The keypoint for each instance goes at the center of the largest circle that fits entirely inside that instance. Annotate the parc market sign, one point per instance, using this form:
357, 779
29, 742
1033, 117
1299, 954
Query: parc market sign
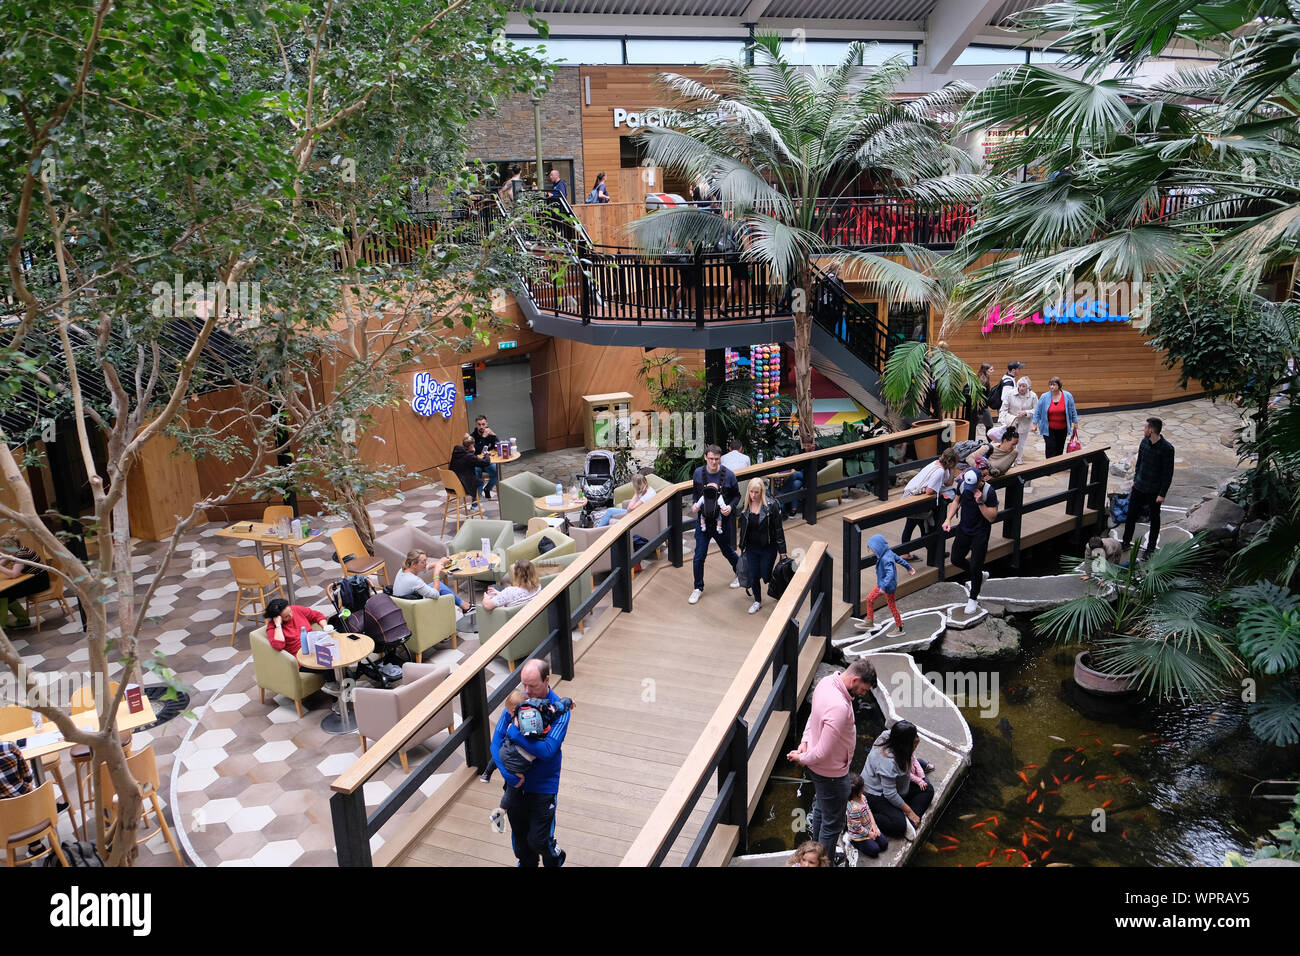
662, 118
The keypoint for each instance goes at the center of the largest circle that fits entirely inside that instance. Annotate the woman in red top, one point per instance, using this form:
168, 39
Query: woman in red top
285, 623
1055, 417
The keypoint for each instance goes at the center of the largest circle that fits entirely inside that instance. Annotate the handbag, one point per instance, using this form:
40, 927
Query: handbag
1073, 443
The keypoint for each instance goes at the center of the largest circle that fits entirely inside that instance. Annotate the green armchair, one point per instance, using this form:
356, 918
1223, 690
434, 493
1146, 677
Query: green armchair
528, 640
833, 470
277, 671
431, 620
500, 534
528, 548
516, 494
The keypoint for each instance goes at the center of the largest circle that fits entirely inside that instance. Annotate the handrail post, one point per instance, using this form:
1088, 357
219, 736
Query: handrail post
621, 560
851, 587
560, 616
810, 491
882, 472
675, 530
348, 811
934, 541
735, 760
699, 290
1015, 502
1078, 494
1097, 491
474, 707
584, 277
826, 585
788, 657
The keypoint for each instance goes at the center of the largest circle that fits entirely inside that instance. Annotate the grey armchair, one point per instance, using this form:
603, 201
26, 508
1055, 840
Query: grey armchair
379, 711
431, 620
393, 545
500, 535
648, 528
624, 492
277, 671
517, 492
529, 548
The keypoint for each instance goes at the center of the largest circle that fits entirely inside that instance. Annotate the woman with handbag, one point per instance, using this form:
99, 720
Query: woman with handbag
761, 538
1055, 417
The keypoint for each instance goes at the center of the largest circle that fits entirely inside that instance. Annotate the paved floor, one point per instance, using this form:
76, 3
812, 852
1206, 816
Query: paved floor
250, 786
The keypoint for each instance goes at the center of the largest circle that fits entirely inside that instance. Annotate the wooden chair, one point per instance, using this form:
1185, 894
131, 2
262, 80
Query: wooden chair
14, 718
353, 557
144, 770
255, 581
465, 505
51, 595
30, 817
271, 515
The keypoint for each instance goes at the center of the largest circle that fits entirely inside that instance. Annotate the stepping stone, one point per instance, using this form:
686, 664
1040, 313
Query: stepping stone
991, 640
1031, 595
921, 631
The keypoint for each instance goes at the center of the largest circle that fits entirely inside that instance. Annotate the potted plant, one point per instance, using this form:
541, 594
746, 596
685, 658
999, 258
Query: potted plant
929, 379
1150, 626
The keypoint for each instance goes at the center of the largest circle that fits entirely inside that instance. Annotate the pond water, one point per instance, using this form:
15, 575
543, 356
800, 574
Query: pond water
1067, 777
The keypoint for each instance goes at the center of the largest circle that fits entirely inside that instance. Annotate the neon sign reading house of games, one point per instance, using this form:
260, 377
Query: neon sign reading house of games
430, 397
1085, 310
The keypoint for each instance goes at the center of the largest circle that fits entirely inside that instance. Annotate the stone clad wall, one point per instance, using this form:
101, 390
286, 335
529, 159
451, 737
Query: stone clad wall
509, 133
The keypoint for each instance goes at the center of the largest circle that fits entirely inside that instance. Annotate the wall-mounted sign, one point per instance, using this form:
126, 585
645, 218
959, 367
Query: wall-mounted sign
430, 397
662, 118
1084, 310
502, 346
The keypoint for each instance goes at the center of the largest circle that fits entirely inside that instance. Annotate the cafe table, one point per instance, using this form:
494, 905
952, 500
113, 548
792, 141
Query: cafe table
352, 649
260, 534
547, 504
50, 740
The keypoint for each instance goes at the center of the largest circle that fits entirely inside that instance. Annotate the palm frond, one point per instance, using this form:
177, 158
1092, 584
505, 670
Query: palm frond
1166, 669
1276, 718
1076, 621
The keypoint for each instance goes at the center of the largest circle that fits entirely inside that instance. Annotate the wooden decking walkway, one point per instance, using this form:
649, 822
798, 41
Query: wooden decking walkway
645, 686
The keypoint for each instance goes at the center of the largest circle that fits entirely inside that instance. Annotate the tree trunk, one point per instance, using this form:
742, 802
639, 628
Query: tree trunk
803, 360
129, 802
360, 516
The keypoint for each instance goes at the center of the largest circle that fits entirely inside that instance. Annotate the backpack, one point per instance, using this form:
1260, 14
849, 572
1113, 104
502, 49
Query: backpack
354, 592
80, 854
782, 575
965, 448
593, 197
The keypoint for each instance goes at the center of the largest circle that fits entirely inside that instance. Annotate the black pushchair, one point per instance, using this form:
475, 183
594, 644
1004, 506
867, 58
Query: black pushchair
597, 484
361, 610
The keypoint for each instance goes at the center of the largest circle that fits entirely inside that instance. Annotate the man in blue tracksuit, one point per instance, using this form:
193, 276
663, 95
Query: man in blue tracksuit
531, 806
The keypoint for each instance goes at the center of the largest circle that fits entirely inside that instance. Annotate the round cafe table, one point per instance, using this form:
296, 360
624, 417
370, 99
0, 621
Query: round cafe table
352, 649
500, 462
458, 567
570, 503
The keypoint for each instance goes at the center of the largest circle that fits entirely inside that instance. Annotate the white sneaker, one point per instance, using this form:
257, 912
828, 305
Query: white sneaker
498, 818
1029, 486
753, 608
986, 575
695, 597
735, 583
911, 830
865, 625
972, 607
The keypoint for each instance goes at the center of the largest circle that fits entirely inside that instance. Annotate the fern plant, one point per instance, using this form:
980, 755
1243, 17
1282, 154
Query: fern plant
1287, 836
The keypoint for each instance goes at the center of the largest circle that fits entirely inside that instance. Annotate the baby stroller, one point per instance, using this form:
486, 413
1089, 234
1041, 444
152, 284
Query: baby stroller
597, 484
386, 625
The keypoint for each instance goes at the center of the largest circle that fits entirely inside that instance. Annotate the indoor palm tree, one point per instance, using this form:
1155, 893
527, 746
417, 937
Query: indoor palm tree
783, 143
1144, 176
1151, 619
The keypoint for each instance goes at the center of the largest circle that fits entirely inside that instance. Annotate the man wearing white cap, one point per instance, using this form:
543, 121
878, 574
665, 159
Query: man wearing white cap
978, 503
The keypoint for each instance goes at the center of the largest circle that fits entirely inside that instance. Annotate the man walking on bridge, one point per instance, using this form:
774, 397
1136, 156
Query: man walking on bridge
715, 498
531, 799
826, 749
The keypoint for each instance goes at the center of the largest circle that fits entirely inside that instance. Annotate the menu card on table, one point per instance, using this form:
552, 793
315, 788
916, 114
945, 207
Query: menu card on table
325, 653
134, 699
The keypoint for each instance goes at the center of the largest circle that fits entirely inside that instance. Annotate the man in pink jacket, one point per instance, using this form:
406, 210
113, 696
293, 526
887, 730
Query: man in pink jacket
826, 750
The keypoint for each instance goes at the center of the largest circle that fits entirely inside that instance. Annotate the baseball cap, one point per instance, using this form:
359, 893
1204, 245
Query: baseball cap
1011, 365
970, 480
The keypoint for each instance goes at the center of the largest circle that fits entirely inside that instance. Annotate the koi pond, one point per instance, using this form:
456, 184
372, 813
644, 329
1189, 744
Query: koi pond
1066, 777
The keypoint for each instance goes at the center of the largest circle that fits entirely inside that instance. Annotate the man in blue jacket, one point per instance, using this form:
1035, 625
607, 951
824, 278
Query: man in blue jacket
714, 500
531, 799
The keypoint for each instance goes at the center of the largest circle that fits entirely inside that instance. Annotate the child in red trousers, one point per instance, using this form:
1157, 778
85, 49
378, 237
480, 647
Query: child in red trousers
886, 582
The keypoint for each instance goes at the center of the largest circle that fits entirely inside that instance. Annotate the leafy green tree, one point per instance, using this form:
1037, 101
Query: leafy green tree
271, 144
783, 143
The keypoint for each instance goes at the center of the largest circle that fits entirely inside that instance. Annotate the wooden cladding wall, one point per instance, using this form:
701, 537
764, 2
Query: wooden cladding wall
606, 223
631, 88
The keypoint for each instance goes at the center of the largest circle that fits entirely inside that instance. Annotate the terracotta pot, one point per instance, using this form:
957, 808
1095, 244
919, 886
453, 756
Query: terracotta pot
927, 447
1099, 682
960, 429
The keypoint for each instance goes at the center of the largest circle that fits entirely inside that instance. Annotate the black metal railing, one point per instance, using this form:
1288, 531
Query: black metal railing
723, 752
1089, 470
859, 327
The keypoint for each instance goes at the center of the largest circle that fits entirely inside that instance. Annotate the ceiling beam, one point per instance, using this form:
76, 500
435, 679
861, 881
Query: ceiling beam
950, 27
754, 10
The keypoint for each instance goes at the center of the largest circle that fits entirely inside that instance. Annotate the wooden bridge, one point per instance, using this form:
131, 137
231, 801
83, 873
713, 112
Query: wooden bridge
681, 710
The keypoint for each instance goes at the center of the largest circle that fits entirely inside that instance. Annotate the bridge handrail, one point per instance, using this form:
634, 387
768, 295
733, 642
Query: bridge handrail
726, 742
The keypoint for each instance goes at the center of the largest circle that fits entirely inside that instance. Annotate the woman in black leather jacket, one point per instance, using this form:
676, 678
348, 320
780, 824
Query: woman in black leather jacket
463, 463
761, 537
